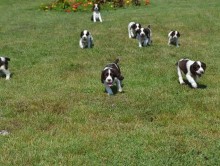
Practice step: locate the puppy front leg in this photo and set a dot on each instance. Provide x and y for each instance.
(7, 73)
(177, 43)
(119, 85)
(139, 41)
(89, 45)
(140, 44)
(149, 42)
(108, 90)
(89, 42)
(129, 32)
(169, 41)
(94, 18)
(146, 41)
(80, 43)
(191, 81)
(100, 18)
(180, 75)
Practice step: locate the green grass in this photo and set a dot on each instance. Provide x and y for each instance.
(55, 107)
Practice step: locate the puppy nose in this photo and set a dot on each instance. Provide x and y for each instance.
(109, 80)
(202, 72)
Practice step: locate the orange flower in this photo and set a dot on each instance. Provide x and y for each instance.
(147, 2)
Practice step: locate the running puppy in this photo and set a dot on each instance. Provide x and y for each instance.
(144, 36)
(4, 66)
(173, 38)
(86, 39)
(132, 29)
(192, 69)
(111, 74)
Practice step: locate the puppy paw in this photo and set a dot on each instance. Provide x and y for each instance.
(194, 85)
(181, 81)
(119, 90)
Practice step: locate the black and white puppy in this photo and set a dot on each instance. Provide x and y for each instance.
(192, 69)
(144, 36)
(112, 74)
(133, 27)
(86, 39)
(173, 38)
(96, 15)
(4, 66)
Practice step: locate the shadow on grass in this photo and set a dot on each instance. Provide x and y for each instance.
(200, 86)
(115, 89)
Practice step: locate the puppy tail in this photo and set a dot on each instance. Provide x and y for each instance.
(116, 61)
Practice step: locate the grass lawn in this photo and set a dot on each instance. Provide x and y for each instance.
(55, 107)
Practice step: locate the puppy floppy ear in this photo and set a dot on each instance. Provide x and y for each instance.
(178, 34)
(172, 33)
(203, 65)
(133, 26)
(81, 34)
(99, 8)
(138, 31)
(194, 67)
(102, 76)
(147, 32)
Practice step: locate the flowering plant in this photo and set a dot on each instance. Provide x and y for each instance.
(86, 5)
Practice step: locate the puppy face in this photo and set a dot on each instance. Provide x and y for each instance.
(4, 62)
(84, 34)
(96, 7)
(174, 34)
(108, 76)
(198, 68)
(143, 32)
(136, 26)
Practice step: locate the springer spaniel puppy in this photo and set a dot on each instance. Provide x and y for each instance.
(86, 39)
(132, 29)
(173, 37)
(96, 15)
(144, 36)
(111, 74)
(192, 69)
(4, 66)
